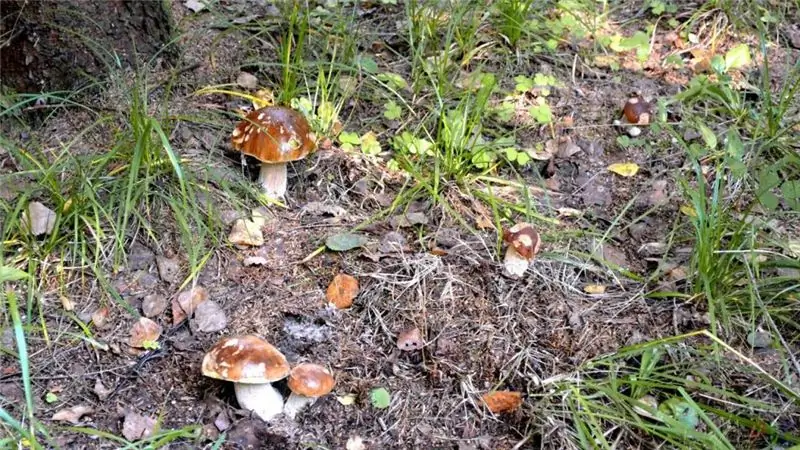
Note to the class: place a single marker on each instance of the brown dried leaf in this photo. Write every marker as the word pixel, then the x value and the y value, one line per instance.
pixel 187 301
pixel 144 331
pixel 72 415
pixel 39 219
pixel 342 291
pixel 246 232
pixel 410 340
pixel 502 401
pixel 101 390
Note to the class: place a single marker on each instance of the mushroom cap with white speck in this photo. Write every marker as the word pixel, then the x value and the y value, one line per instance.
pixel 245 359
pixel 311 380
pixel 274 134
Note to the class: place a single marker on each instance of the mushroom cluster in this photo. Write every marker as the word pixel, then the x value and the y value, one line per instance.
pixel 275 135
pixel 253 364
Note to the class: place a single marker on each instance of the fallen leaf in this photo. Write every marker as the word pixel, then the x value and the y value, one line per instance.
pixel 502 401
pixel 39 219
pixel 688 210
pixel 247 80
pixel 345 241
pixel 143 332
pixel 347 399
pixel 246 233
pixel 136 426
pixel 649 401
pixel 260 216
pixel 222 421
pixel 410 340
pixel 393 242
pixel 594 289
pixel 100 390
pixel 342 291
pixel 209 318
pixel 567 148
pixel 624 169
pixel 72 415
pixel 184 305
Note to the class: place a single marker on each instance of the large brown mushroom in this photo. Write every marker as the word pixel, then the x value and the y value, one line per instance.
pixel 275 135
pixel 251 364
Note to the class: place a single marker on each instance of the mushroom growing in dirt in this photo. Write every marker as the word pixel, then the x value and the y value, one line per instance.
pixel 523 244
pixel 251 364
pixel 307 382
pixel 275 135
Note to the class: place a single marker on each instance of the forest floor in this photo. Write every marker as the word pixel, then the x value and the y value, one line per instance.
pixel 668 269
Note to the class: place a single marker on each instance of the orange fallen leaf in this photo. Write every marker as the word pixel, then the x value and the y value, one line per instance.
pixel 502 401
pixel 342 291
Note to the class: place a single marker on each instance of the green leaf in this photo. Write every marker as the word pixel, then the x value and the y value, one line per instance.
pixel 380 398
pixel 737 57
pixel 50 397
pixel 370 144
pixel 682 411
pixel 8 273
pixel 349 137
pixel 367 64
pixel 768 200
pixel 708 136
pixel 791 193
pixel 541 112
pixel 394 80
pixel 392 111
pixel 345 241
pixel 504 111
pixel 524 84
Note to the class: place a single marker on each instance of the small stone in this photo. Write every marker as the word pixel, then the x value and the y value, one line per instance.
pixel 393 242
pixel 246 233
pixel 168 269
pixel 759 339
pixel 153 305
pixel 255 261
pixel 39 219
pixel 410 340
pixel 136 426
pixel 140 257
pixel 209 318
pixel 187 301
pixel 247 80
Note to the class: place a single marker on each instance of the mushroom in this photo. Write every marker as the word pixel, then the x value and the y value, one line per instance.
pixel 637 111
pixel 275 135
pixel 251 364
pixel 307 382
pixel 523 245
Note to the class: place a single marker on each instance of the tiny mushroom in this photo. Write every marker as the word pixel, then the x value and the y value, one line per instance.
pixel 275 135
pixel 637 111
pixel 307 382
pixel 251 364
pixel 523 245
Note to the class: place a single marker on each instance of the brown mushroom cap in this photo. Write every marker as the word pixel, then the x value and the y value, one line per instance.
pixel 274 134
pixel 637 111
pixel 311 380
pixel 245 359
pixel 524 239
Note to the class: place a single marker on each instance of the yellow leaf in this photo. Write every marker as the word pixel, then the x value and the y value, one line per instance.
pixel 624 169
pixel 594 289
pixel 347 399
pixel 688 210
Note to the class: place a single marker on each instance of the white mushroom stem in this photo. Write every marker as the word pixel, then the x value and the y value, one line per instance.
pixel 262 399
pixel 295 403
pixel 273 178
pixel 515 264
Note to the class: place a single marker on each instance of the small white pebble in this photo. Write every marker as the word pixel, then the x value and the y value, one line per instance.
pixel 634 131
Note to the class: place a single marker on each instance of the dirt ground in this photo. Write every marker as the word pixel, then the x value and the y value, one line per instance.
pixel 482 330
